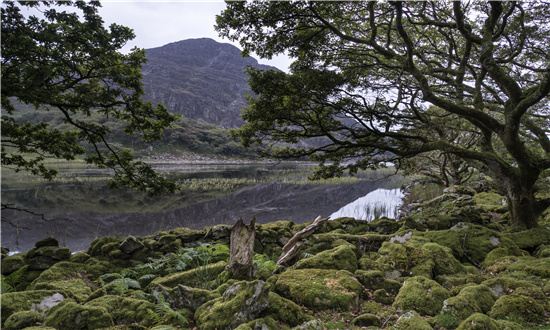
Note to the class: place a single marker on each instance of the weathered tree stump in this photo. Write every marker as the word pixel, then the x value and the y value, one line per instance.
pixel 241 251
pixel 292 247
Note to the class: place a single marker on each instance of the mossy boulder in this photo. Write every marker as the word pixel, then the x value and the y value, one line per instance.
pixel 79 257
pixel 193 278
pixel 95 248
pixel 265 323
pixel 320 289
pixel 70 315
pixel 125 310
pixel 367 320
pixel 130 245
pixel 374 280
pixel 240 303
pixel 22 320
pixel 340 258
pixel 421 294
pixel 49 241
pixel 411 320
pixel 12 263
pixel 183 296
pixel 478 321
pixel 530 239
pixel 46 256
pixel 62 271
pixel 285 311
pixel 36 300
pixel 470 300
pixel 76 289
pixel 521 307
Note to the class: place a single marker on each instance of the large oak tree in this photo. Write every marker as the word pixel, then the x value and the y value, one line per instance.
pixel 413 77
pixel 63 59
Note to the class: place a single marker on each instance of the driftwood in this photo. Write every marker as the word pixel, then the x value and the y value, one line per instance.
pixel 241 251
pixel 293 245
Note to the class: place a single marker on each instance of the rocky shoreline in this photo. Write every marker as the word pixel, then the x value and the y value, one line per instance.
pixel 449 264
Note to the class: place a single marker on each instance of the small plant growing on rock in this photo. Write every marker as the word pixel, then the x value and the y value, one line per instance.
pixel 164 313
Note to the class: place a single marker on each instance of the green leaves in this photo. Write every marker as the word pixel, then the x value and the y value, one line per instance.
pixel 72 65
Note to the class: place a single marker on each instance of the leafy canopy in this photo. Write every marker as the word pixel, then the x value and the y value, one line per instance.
pixel 388 81
pixel 71 64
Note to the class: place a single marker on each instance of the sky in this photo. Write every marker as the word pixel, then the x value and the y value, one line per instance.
pixel 157 23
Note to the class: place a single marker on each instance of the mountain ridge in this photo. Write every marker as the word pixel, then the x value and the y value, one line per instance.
pixel 179 74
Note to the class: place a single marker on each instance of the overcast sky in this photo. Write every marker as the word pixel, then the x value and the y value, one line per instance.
pixel 157 23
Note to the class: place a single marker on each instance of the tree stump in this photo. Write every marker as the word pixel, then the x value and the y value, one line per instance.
pixel 242 249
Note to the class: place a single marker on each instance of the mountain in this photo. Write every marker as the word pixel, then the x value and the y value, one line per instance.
pixel 200 79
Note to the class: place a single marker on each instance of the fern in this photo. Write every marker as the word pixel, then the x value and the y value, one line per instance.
pixel 4 286
pixel 164 313
pixel 306 255
pixel 263 262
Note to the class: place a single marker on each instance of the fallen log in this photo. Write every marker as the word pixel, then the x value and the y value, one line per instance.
pixel 292 247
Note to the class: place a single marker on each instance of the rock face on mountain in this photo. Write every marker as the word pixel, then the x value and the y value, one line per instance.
pixel 199 78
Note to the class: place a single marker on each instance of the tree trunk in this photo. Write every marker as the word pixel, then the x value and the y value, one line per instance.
pixel 242 249
pixel 523 206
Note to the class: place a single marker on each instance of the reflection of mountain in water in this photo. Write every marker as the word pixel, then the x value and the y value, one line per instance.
pixel 267 202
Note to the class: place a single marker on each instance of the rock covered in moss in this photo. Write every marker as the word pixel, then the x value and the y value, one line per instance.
pixel 285 311
pixel 70 315
pixel 125 310
pixel 422 295
pixel 95 248
pixel 320 288
pixel 130 245
pixel 12 263
pixel 340 258
pixel 183 296
pixel 240 303
pixel 22 320
pixel 470 300
pixel 50 241
pixel 44 257
pixel 521 307
pixel 411 320
pixel 374 280
pixel 193 277
pixel 367 320
pixel 73 288
pixel 36 300
pixel 478 321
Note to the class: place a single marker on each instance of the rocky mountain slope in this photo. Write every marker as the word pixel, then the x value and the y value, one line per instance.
pixel 199 78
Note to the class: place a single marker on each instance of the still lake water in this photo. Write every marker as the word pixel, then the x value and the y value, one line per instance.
pixel 85 211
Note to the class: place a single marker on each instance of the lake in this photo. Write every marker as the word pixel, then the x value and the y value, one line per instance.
pixel 78 207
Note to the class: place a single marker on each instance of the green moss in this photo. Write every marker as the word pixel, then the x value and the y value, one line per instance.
pixel 521 307
pixel 367 320
pixel 95 247
pixel 12 263
pixel 80 257
pixel 266 323
pixel 125 310
pixel 490 202
pixel 422 295
pixel 22 320
pixel 470 300
pixel 285 311
pixel 61 271
pixel 412 321
pixel 74 288
pixel 320 289
pixel 530 239
pixel 457 283
pixel 341 258
pixel 497 256
pixel 501 286
pixel 478 321
pixel 192 277
pixel 382 296
pixel 239 304
pixel 13 302
pixel 70 315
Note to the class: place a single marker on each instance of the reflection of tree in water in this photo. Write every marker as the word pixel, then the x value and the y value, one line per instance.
pixel 268 202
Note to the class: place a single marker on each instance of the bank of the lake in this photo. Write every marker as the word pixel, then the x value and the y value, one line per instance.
pixel 83 208
pixel 451 264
